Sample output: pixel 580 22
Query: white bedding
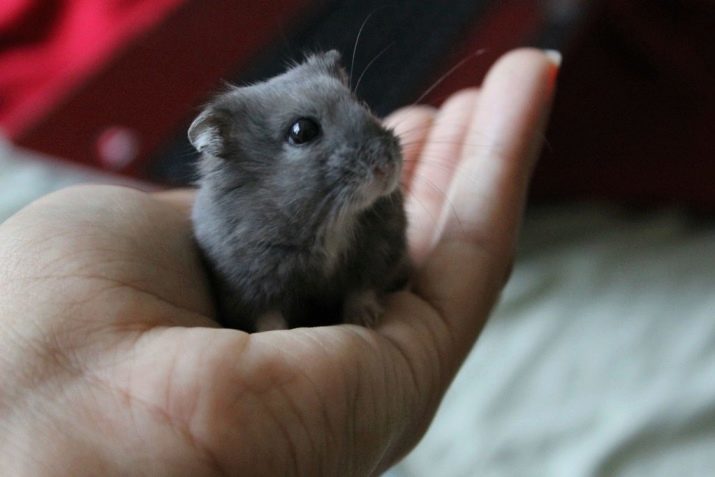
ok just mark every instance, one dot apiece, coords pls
pixel 600 359
pixel 26 175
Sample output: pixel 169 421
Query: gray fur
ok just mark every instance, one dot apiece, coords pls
pixel 296 229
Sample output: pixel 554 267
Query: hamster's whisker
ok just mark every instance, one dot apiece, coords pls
pixel 414 129
pixel 186 153
pixel 434 187
pixel 357 85
pixel 324 208
pixel 424 127
pixel 421 127
pixel 445 143
pixel 446 165
pixel 402 121
pixel 449 73
pixel 428 127
pixel 357 41
pixel 411 196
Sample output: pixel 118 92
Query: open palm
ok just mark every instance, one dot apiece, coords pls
pixel 118 368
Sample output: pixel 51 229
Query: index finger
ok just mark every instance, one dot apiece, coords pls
pixel 472 251
pixel 486 195
pixel 475 241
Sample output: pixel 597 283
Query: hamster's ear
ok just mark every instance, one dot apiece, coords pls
pixel 330 63
pixel 209 131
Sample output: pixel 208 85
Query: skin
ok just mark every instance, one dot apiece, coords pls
pixel 111 364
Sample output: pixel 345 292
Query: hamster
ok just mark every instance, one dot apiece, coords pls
pixel 299 213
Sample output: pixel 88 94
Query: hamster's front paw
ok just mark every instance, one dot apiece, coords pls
pixel 362 308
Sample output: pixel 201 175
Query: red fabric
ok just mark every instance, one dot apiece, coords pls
pixel 147 92
pixel 47 47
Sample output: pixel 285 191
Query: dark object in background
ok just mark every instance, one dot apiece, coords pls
pixel 634 118
pixel 631 119
pixel 132 116
pixel 400 45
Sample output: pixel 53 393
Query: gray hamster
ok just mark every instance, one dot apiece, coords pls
pixel 299 214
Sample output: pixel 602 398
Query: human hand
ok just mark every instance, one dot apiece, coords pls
pixel 112 365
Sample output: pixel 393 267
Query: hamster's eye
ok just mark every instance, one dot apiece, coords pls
pixel 302 131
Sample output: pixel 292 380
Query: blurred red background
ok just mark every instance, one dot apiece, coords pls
pixel 113 84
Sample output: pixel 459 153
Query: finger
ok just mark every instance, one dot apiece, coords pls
pixel 504 135
pixel 473 256
pixel 411 125
pixel 434 169
pixel 462 277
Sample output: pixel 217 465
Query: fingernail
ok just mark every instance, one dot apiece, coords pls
pixel 554 56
